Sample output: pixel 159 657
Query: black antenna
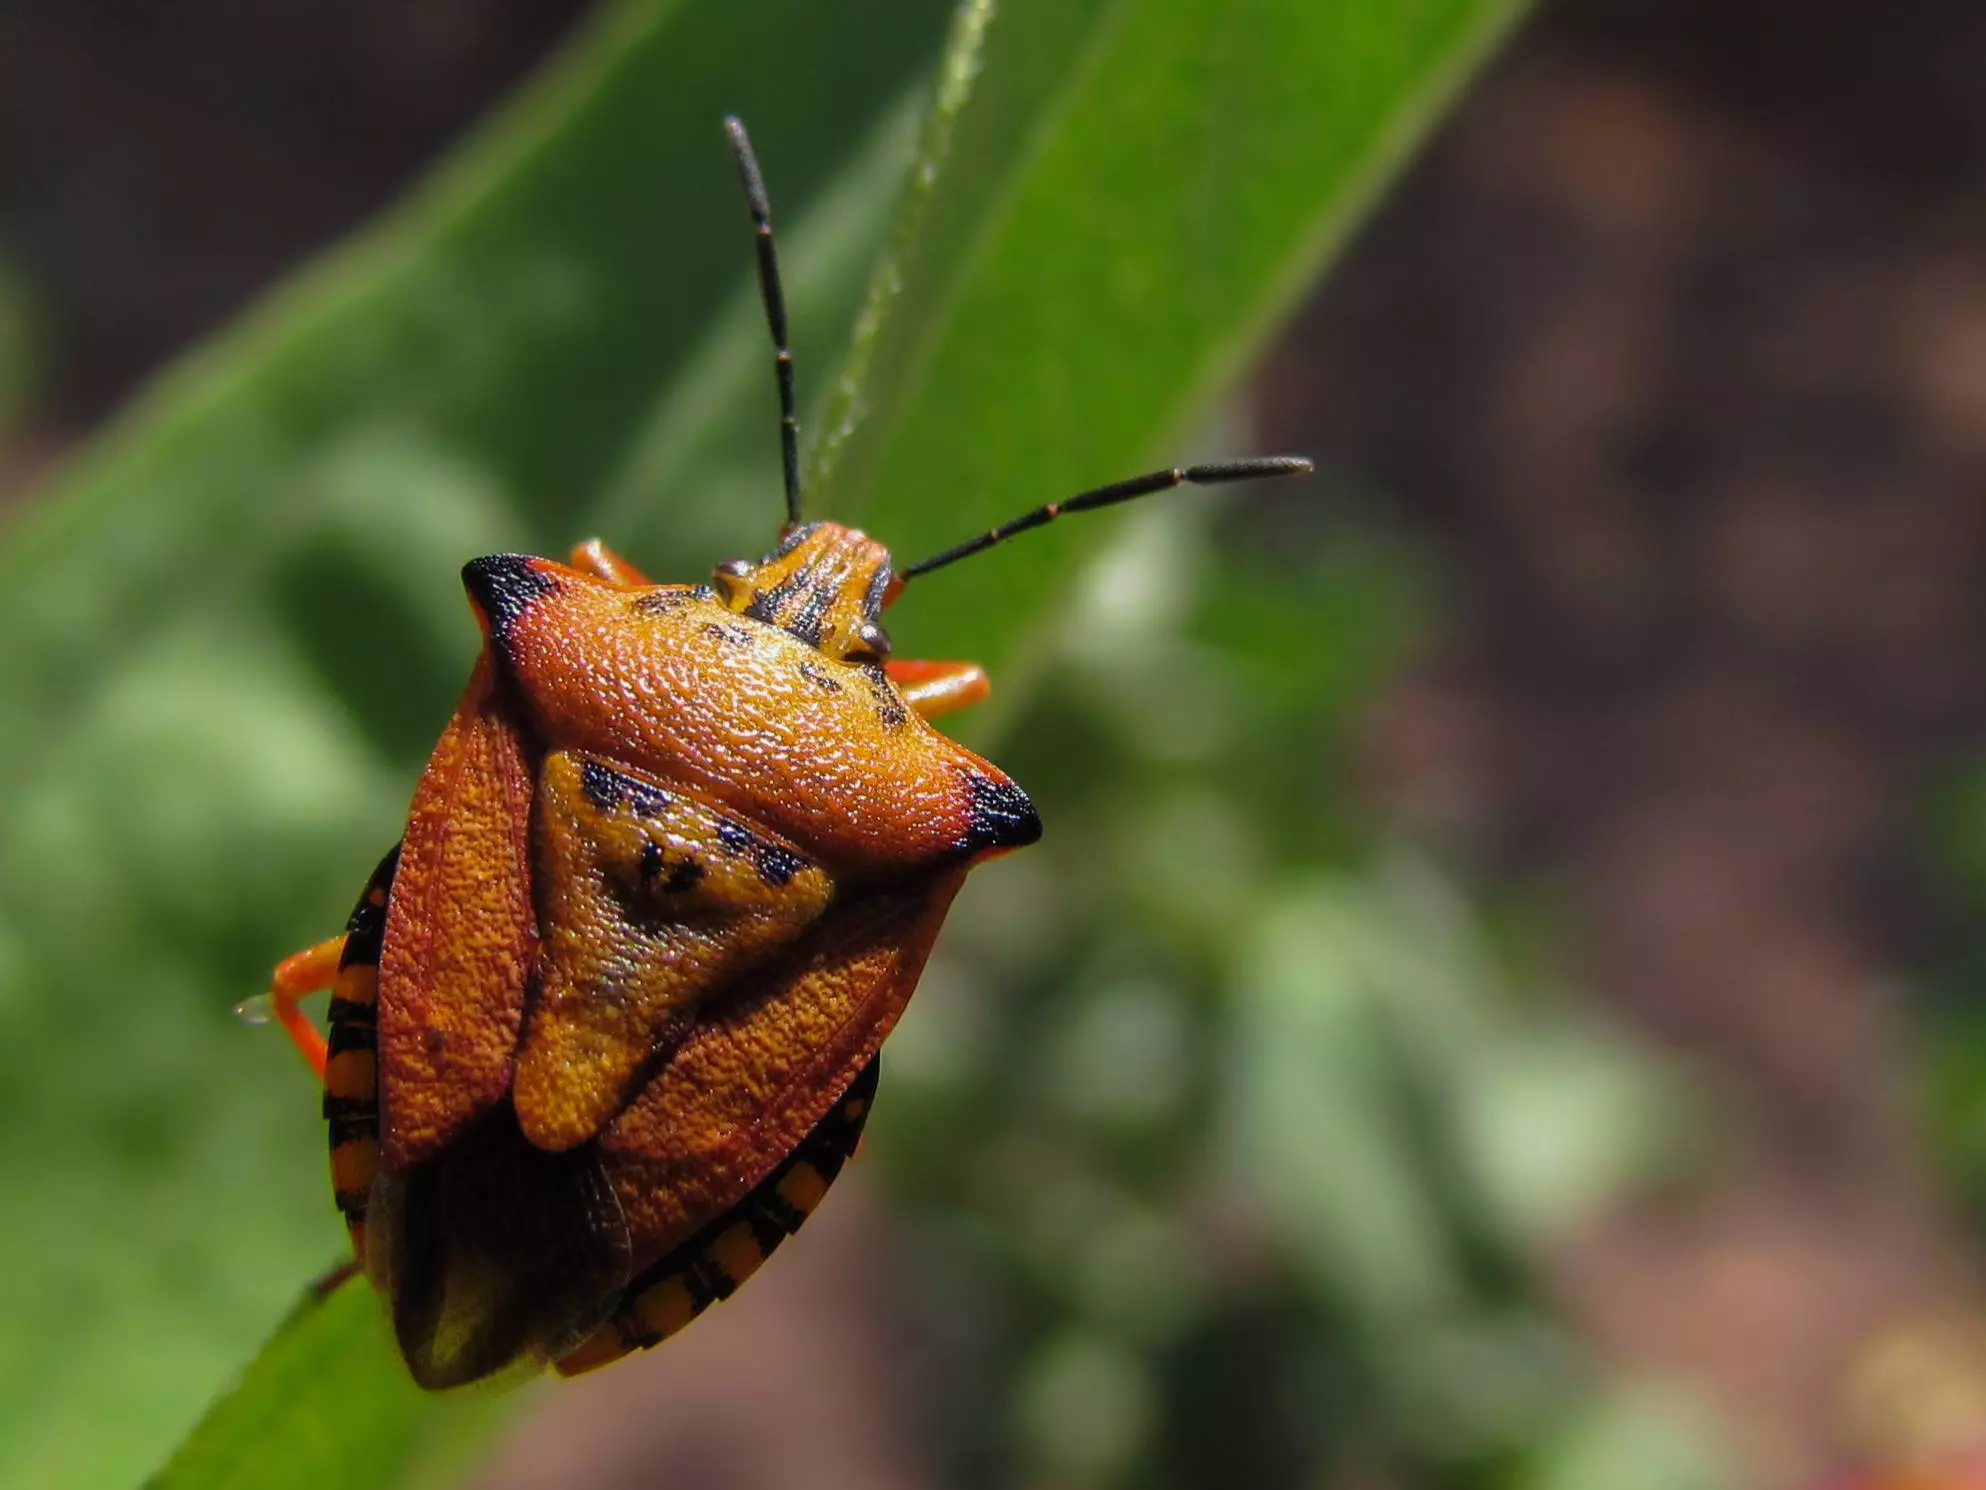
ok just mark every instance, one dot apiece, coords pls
pixel 775 307
pixel 1120 491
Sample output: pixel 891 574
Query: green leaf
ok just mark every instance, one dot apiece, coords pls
pixel 1635 1437
pixel 335 1342
pixel 1136 193
pixel 234 625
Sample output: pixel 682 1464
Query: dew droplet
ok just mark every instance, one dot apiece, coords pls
pixel 256 1010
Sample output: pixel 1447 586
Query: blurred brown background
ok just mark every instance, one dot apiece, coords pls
pixel 1673 349
pixel 1695 298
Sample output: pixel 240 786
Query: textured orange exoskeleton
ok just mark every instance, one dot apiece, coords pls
pixel 605 1024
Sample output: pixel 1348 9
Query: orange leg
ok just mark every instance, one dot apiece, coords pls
pixel 297 977
pixel 595 558
pixel 327 1285
pixel 934 688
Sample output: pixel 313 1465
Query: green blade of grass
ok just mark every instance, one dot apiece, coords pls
pixel 1134 195
pixel 280 1433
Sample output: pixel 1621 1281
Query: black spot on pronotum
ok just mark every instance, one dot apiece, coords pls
pixel 731 636
pixel 504 586
pixel 890 708
pixel 651 861
pixel 999 816
pixel 819 677
pixel 660 602
pixel 776 865
pixel 736 837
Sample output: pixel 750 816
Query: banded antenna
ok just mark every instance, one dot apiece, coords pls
pixel 775 307
pixel 1217 474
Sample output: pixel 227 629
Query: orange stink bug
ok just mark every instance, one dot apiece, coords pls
pixel 604 1025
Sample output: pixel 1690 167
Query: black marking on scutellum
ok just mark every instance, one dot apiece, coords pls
pixel 776 865
pixel 611 791
pixel 504 587
pixel 604 786
pixel 999 816
pixel 671 879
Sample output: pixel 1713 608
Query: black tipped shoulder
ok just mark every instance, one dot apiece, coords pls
pixel 1000 816
pixel 504 586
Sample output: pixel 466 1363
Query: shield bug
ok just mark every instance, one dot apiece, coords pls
pixel 604 1024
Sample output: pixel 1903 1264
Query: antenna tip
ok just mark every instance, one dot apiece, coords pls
pixel 1252 469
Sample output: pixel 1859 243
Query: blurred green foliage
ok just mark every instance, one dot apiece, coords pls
pixel 1234 1119
pixel 1952 1095
pixel 1224 1116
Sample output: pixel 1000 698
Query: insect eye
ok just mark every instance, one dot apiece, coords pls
pixel 869 644
pixel 732 580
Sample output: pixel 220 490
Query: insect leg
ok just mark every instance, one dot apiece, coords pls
pixel 934 688
pixel 595 558
pixel 296 978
